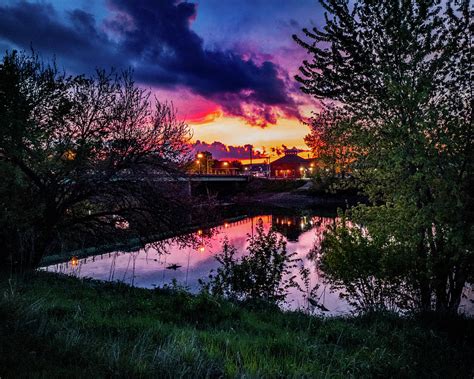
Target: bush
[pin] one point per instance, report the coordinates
(262, 274)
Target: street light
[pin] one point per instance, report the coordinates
(200, 155)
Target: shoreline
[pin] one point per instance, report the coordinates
(285, 201)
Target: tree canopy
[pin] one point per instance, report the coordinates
(395, 78)
(78, 158)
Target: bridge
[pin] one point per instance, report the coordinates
(217, 178)
(206, 183)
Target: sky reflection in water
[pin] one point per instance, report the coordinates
(150, 268)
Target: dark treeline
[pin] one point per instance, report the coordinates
(77, 158)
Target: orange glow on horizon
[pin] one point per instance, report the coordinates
(236, 132)
(209, 123)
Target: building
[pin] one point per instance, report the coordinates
(291, 165)
(259, 170)
(226, 168)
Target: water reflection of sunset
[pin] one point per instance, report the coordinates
(148, 268)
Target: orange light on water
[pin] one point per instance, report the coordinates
(74, 261)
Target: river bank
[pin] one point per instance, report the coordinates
(300, 200)
(50, 325)
(273, 196)
(297, 194)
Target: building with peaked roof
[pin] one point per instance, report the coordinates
(291, 165)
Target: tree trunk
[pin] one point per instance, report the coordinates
(456, 291)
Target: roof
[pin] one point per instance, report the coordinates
(289, 159)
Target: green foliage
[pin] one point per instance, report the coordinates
(395, 77)
(370, 271)
(263, 273)
(329, 145)
(51, 325)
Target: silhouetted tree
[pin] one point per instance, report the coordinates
(82, 157)
(399, 74)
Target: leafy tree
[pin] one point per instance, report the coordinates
(370, 272)
(79, 157)
(399, 74)
(264, 273)
(329, 146)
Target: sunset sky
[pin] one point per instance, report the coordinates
(227, 65)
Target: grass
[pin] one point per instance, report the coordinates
(56, 326)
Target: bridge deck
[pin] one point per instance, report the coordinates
(218, 178)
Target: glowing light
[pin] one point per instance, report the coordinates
(69, 155)
(201, 249)
(200, 155)
(226, 163)
(199, 232)
(226, 225)
(74, 261)
(301, 168)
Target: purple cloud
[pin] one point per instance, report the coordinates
(156, 40)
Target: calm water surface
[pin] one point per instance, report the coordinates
(157, 266)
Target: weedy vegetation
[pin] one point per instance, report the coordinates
(51, 325)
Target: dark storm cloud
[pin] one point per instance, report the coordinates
(155, 38)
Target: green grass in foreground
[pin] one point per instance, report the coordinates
(55, 326)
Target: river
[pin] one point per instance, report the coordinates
(192, 257)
